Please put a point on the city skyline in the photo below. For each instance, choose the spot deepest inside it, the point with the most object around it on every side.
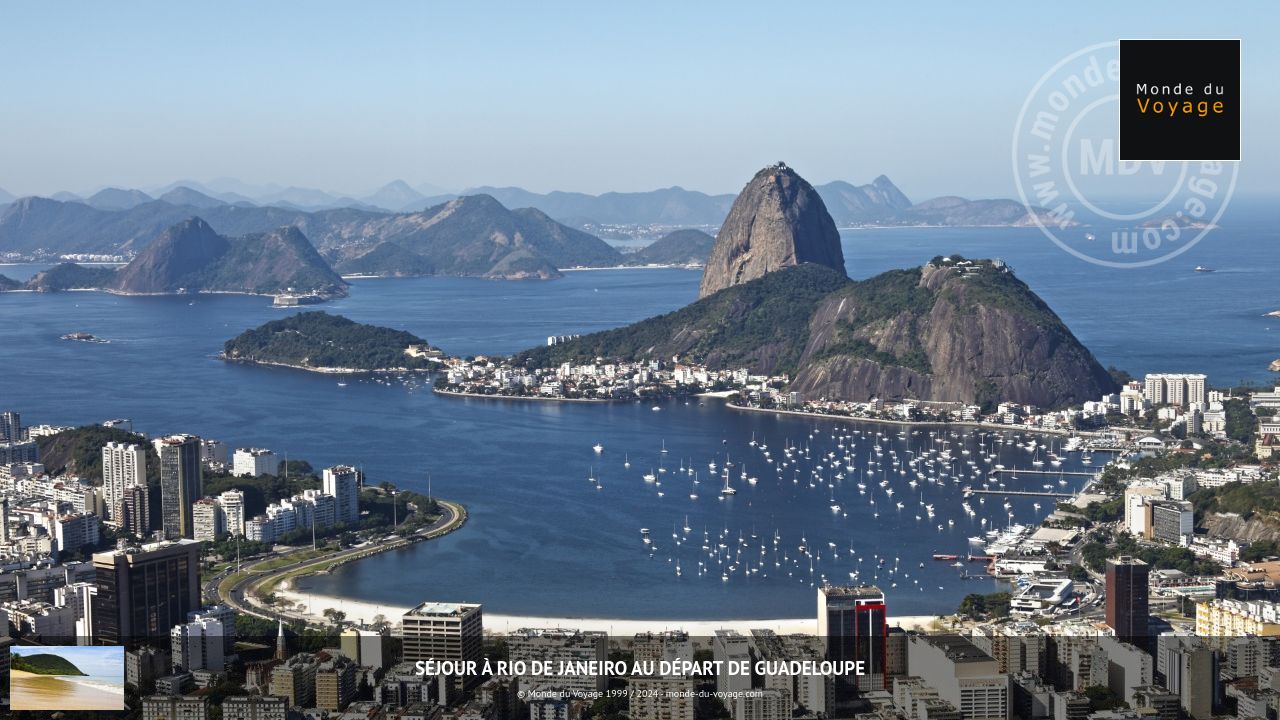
(606, 100)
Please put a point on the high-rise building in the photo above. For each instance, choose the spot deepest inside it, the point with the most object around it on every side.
(662, 698)
(199, 645)
(181, 483)
(443, 631)
(135, 510)
(1127, 611)
(1182, 389)
(206, 520)
(853, 622)
(962, 674)
(1173, 521)
(232, 504)
(295, 680)
(335, 684)
(730, 647)
(144, 591)
(124, 465)
(530, 645)
(11, 426)
(341, 481)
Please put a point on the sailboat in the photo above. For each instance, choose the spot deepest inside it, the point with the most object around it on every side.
(727, 489)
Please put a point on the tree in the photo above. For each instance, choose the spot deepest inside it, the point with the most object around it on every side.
(334, 616)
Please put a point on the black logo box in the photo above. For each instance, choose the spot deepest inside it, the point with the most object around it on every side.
(1185, 65)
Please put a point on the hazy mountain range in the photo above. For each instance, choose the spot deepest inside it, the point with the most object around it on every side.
(879, 202)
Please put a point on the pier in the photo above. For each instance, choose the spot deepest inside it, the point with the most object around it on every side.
(1055, 473)
(1026, 493)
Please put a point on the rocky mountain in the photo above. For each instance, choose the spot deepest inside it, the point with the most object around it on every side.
(848, 202)
(476, 236)
(191, 256)
(682, 247)
(778, 220)
(186, 197)
(387, 259)
(776, 300)
(473, 235)
(667, 206)
(396, 196)
(953, 330)
(117, 199)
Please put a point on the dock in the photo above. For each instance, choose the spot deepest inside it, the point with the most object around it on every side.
(1025, 493)
(1073, 473)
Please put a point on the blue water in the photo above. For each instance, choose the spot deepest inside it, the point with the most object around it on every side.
(542, 540)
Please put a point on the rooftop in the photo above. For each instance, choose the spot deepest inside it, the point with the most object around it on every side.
(443, 609)
(956, 648)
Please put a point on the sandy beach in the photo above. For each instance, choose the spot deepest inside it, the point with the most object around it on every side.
(28, 691)
(315, 605)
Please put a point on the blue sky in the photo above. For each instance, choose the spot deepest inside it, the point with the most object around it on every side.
(571, 96)
(100, 661)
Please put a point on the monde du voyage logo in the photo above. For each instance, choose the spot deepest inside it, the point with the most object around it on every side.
(1124, 152)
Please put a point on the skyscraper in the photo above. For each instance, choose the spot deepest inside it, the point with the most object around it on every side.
(124, 465)
(853, 622)
(340, 482)
(1127, 587)
(144, 591)
(181, 483)
(10, 426)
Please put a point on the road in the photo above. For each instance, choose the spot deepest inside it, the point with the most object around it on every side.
(236, 594)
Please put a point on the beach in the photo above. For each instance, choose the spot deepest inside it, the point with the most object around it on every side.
(314, 606)
(28, 691)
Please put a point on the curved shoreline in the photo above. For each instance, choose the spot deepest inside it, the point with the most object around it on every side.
(239, 593)
(921, 423)
(539, 398)
(322, 370)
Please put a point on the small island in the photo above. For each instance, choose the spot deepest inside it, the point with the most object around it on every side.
(319, 342)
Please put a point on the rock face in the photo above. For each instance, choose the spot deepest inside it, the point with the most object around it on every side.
(959, 331)
(778, 220)
(190, 256)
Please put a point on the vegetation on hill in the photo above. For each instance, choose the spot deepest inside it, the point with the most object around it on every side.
(388, 260)
(1162, 557)
(318, 340)
(878, 300)
(680, 247)
(44, 664)
(763, 324)
(71, 276)
(1243, 499)
(78, 451)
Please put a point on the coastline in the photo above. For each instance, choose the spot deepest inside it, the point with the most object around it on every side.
(360, 610)
(887, 421)
(482, 396)
(29, 691)
(323, 370)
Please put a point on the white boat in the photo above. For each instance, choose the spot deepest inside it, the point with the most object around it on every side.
(598, 448)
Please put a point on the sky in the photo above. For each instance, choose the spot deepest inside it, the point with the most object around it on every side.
(588, 97)
(99, 661)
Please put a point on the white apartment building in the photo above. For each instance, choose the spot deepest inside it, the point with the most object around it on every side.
(231, 502)
(252, 462)
(342, 482)
(124, 465)
(1179, 389)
